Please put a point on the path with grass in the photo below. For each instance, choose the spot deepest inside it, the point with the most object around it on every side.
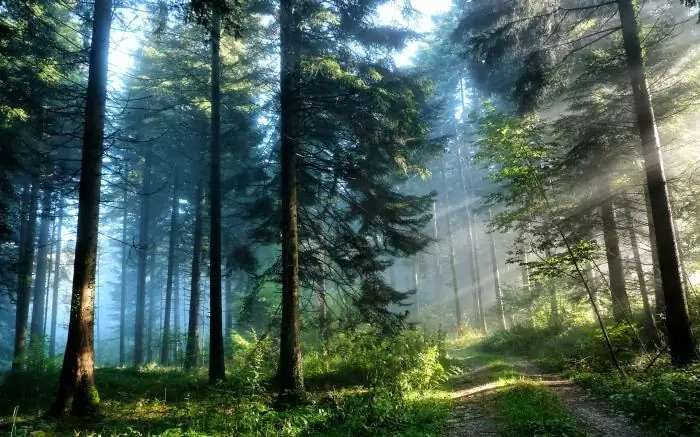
(495, 396)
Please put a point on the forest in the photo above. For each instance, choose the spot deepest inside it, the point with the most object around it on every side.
(349, 218)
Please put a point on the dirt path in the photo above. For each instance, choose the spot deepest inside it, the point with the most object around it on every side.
(476, 412)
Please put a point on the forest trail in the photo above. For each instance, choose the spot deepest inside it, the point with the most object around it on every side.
(484, 404)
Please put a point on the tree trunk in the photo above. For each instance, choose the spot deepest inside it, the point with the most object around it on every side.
(153, 299)
(122, 299)
(228, 326)
(290, 372)
(36, 332)
(682, 344)
(659, 305)
(26, 265)
(176, 310)
(191, 351)
(47, 287)
(144, 222)
(450, 245)
(172, 243)
(616, 273)
(589, 274)
(497, 282)
(217, 369)
(474, 265)
(649, 322)
(77, 392)
(56, 283)
(438, 267)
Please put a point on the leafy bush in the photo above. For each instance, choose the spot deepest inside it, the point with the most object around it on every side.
(253, 361)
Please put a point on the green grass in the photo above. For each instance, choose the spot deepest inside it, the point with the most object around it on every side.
(169, 403)
(527, 408)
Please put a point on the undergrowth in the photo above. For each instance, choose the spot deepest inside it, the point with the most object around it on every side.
(527, 408)
(362, 384)
(663, 399)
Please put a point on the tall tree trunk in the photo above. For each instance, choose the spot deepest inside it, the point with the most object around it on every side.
(26, 265)
(682, 344)
(618, 289)
(172, 243)
(122, 297)
(659, 305)
(56, 283)
(228, 326)
(554, 318)
(36, 332)
(589, 274)
(497, 282)
(176, 310)
(649, 322)
(474, 265)
(217, 369)
(450, 245)
(47, 287)
(153, 299)
(290, 373)
(144, 222)
(438, 267)
(192, 347)
(77, 392)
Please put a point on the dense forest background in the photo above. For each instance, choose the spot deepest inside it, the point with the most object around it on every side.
(290, 197)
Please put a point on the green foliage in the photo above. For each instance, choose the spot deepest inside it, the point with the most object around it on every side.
(565, 345)
(666, 401)
(389, 395)
(531, 409)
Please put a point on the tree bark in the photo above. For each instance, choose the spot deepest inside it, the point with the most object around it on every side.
(153, 299)
(649, 322)
(56, 283)
(77, 392)
(616, 273)
(26, 265)
(228, 327)
(172, 243)
(144, 227)
(192, 347)
(438, 267)
(122, 297)
(176, 310)
(659, 305)
(217, 369)
(500, 310)
(36, 332)
(450, 246)
(290, 373)
(681, 342)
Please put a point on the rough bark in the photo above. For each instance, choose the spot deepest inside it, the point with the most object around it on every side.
(25, 268)
(36, 332)
(77, 392)
(649, 321)
(680, 337)
(144, 222)
(616, 273)
(500, 310)
(122, 297)
(172, 244)
(217, 369)
(451, 249)
(192, 348)
(56, 284)
(290, 374)
(176, 311)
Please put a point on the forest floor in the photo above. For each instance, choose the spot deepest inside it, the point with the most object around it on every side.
(500, 396)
